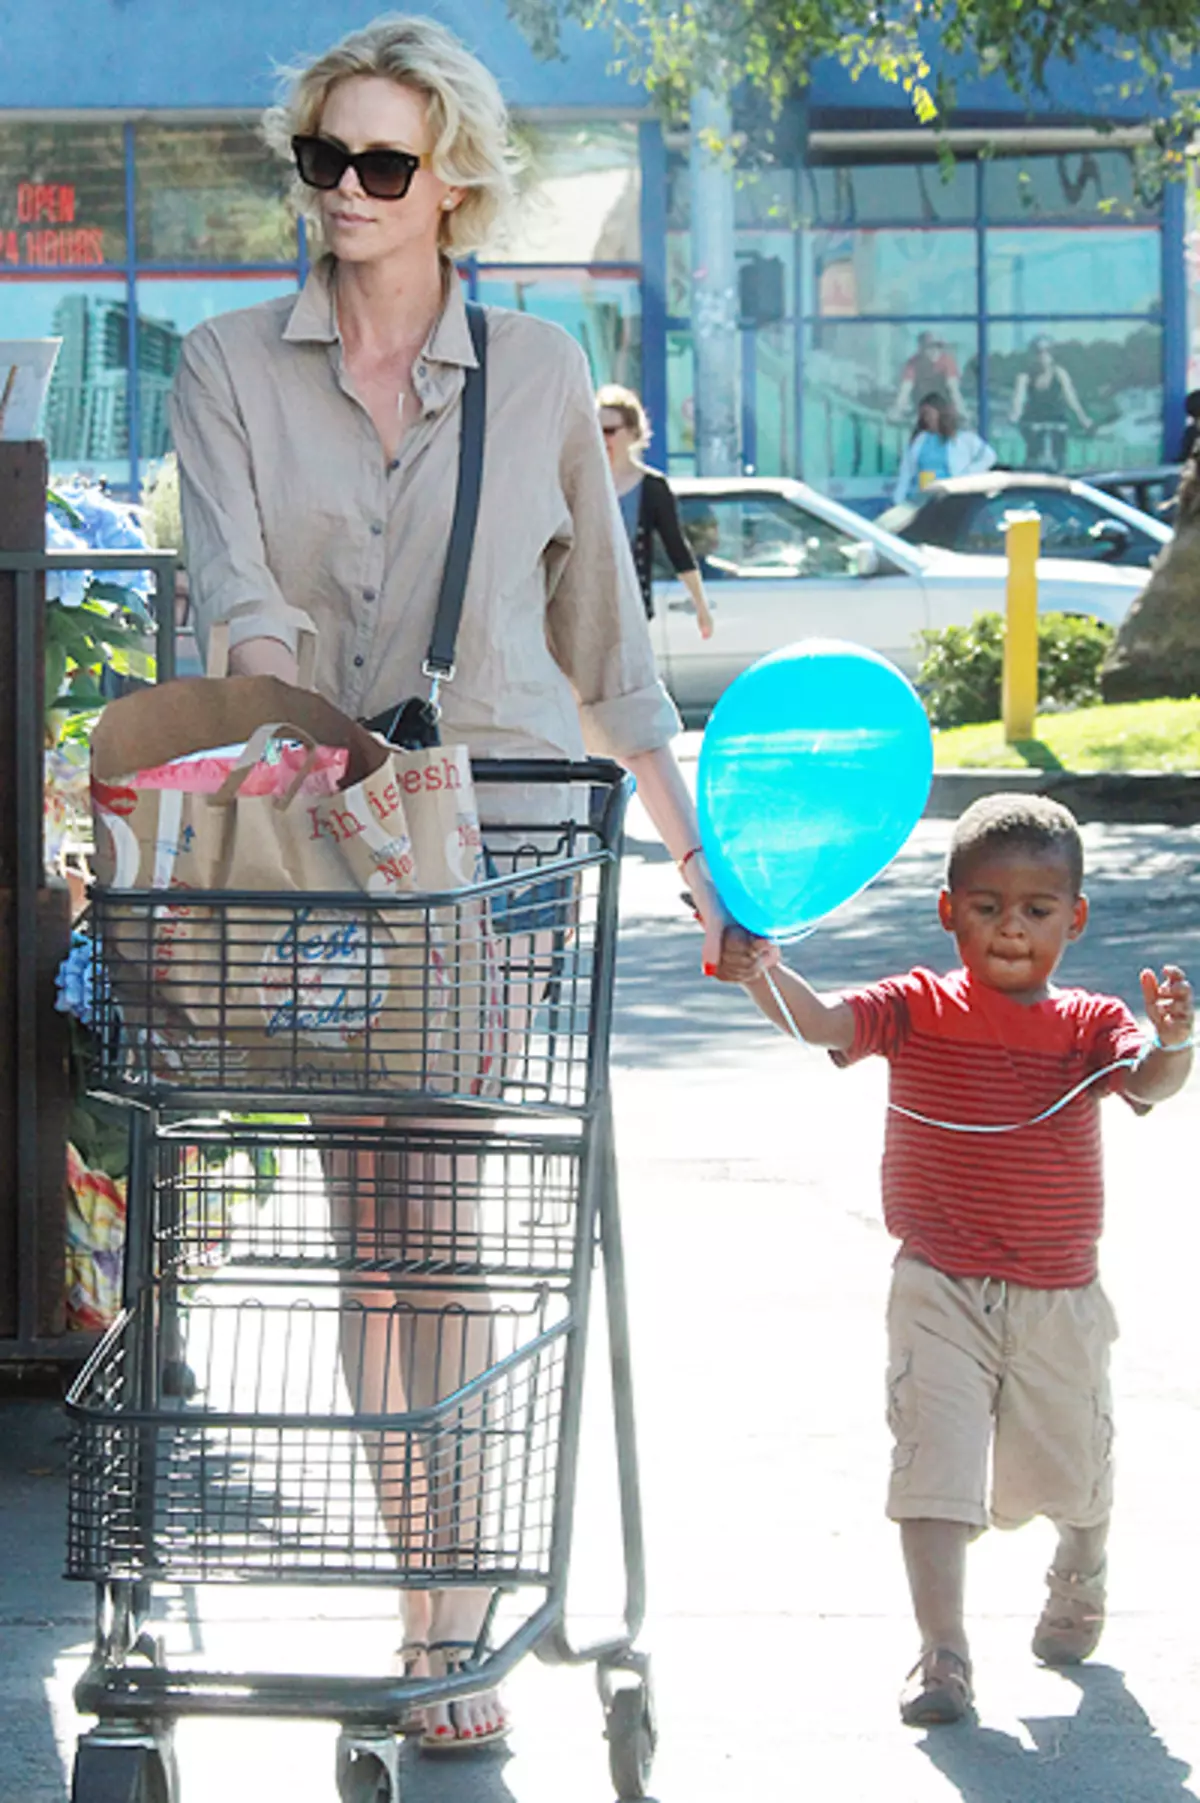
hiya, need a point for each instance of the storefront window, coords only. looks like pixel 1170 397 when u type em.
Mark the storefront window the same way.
pixel 766 198
pixel 768 401
pixel 167 311
pixel 1076 395
pixel 770 432
pixel 602 312
pixel 681 405
pixel 86 417
pixel 869 193
pixel 1098 270
pixel 579 196
pixel 850 273
pixel 1077 185
pixel 62 196
pixel 211 194
pixel 862 384
pixel 1192 268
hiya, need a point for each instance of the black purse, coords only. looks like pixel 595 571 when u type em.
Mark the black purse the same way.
pixel 416 723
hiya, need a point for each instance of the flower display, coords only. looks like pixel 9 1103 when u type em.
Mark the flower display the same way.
pixel 74 982
pixel 95 1244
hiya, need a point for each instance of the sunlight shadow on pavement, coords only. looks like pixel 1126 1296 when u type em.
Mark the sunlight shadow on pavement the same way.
pixel 1107 1748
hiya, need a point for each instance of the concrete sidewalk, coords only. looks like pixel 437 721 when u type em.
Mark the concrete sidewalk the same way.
pixel 758 1267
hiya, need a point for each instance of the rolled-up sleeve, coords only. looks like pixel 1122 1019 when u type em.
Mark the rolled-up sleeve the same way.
pixel 227 566
pixel 596 623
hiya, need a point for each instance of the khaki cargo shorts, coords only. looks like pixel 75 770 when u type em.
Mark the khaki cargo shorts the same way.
pixel 977 1367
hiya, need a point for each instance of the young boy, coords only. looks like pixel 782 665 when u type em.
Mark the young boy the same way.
pixel 998 1329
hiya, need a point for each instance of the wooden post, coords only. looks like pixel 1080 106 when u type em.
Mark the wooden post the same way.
pixel 34 932
pixel 1019 683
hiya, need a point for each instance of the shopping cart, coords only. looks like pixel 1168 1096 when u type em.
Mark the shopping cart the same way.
pixel 242 1421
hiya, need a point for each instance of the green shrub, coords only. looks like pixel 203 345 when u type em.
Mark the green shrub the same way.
pixel 961 666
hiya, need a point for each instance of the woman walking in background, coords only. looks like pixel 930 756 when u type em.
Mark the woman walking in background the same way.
pixel 647 504
pixel 939 447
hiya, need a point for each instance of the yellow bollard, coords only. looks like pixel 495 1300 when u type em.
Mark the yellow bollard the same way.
pixel 1019 683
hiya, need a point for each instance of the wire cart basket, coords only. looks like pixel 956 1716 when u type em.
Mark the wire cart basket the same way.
pixel 352 1343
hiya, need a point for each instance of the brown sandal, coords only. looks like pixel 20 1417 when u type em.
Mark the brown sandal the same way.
pixel 1073 1620
pixel 937 1689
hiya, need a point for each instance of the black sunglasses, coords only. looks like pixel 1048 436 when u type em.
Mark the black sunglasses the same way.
pixel 384 174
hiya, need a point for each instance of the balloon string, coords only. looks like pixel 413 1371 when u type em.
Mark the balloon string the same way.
pixel 926 1120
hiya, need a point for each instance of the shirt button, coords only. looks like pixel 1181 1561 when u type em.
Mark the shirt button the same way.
pixel 394 464
pixel 420 369
pixel 368 594
pixel 376 528
pixel 358 663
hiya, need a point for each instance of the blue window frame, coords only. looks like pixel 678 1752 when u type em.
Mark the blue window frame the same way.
pixel 899 282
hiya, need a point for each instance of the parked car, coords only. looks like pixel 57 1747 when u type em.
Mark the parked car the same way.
pixel 969 513
pixel 781 562
pixel 1150 490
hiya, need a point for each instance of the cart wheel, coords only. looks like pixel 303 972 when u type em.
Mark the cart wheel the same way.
pixel 365 1779
pixel 118 1775
pixel 631 1742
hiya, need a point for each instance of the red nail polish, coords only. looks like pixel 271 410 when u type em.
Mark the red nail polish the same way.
pixel 710 970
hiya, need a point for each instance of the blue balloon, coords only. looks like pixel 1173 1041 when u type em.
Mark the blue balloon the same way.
pixel 814 769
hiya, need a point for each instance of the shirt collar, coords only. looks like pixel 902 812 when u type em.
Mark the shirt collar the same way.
pixel 313 319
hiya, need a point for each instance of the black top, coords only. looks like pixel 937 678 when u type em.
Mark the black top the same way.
pixel 658 513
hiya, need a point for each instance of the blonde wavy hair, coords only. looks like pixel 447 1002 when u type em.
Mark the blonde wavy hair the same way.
pixel 625 402
pixel 467 115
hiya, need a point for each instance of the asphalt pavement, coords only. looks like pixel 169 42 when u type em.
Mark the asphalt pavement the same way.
pixel 758 1266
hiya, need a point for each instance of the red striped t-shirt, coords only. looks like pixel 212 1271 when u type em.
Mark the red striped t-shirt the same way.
pixel 1026 1206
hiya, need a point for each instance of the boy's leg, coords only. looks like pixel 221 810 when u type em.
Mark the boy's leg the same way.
pixel 1073 1619
pixel 939 1686
pixel 935 1556
pixel 1053 1453
pixel 942 1381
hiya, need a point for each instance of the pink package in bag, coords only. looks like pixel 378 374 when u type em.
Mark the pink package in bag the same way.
pixel 320 768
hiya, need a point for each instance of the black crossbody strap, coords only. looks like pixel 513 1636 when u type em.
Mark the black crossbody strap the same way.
pixel 439 660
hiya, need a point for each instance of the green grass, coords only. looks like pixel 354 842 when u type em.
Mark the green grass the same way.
pixel 1140 735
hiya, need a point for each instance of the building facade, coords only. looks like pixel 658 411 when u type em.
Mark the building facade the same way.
pixel 1043 282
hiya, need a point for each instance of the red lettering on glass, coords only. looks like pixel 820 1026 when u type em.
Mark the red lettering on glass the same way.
pixel 53 201
pixel 55 250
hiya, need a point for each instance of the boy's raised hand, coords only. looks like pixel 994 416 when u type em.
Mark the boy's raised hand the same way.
pixel 1168 1002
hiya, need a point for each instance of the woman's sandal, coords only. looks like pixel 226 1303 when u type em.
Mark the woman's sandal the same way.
pixel 405 1661
pixel 1073 1619
pixel 454 1656
pixel 937 1689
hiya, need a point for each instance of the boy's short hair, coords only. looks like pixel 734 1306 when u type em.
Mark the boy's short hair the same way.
pixel 1004 822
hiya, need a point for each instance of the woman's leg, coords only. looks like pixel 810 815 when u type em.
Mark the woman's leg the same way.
pixel 409 1350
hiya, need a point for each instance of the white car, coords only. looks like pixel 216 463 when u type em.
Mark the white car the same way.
pixel 781 562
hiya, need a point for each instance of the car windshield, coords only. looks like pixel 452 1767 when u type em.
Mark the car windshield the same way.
pixel 895 519
pixel 760 535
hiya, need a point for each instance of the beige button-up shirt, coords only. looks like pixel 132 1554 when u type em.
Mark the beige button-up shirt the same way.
pixel 293 514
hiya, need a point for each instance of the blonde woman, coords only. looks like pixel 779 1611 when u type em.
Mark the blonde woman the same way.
pixel 647 505
pixel 318 444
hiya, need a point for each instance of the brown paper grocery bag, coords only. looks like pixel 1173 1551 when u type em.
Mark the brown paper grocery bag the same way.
pixel 294 997
pixel 467 1047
